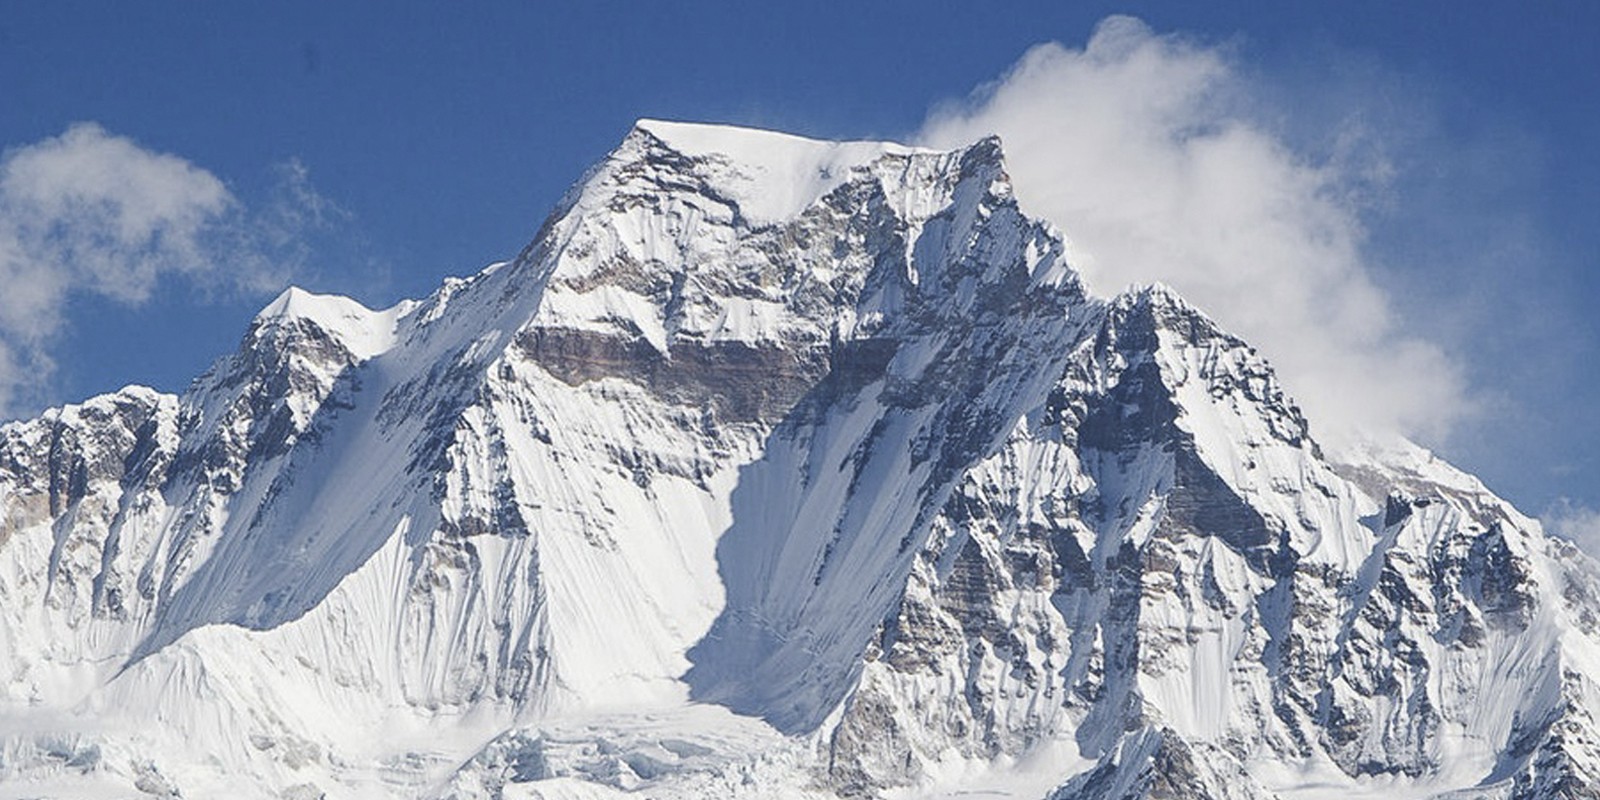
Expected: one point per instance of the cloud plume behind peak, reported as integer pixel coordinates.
(1158, 157)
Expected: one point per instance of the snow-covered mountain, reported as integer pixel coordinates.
(770, 468)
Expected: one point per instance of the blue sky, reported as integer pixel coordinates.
(371, 149)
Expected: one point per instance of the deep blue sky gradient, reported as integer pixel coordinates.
(448, 130)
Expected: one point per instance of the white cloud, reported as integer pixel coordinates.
(89, 212)
(295, 209)
(1574, 521)
(1154, 156)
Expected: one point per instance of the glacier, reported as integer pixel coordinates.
(771, 467)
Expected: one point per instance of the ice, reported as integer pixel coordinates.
(771, 176)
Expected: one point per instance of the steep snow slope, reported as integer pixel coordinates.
(771, 467)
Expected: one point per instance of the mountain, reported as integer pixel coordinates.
(770, 468)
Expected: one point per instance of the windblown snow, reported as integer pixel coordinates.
(770, 468)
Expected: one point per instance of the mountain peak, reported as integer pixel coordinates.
(296, 303)
(740, 142)
(363, 331)
(772, 466)
(771, 176)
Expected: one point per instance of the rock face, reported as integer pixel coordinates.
(771, 467)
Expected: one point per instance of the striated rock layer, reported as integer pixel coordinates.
(771, 467)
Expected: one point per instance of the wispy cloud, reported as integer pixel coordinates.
(1575, 521)
(93, 213)
(1157, 157)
